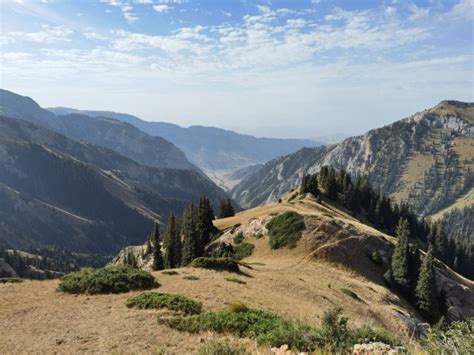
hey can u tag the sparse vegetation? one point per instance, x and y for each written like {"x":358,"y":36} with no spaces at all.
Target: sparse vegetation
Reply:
{"x":111,"y":279}
{"x":272,"y":330}
{"x":190,"y":277}
{"x":170,"y":272}
{"x":285,"y":229}
{"x":173,"y":302}
{"x":457,"y":338}
{"x":11,"y":280}
{"x":218,"y":264}
{"x":235,"y":279}
{"x":350,"y":293}
{"x":238,"y":238}
{"x":221,"y":348}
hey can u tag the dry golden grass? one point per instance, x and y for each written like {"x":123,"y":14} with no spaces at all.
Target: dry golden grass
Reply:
{"x":299,"y":284}
{"x":414,"y":171}
{"x":462,"y":202}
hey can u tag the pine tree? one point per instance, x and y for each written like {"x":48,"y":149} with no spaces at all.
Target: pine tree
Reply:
{"x":401,"y":255}
{"x":155,"y":241}
{"x":190,"y":235}
{"x":226,"y":209}
{"x":425,"y":291}
{"x":441,"y":243}
{"x":205,"y":227}
{"x":172,"y":244}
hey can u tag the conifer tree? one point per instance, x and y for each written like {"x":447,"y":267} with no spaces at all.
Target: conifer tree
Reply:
{"x":401,"y":255}
{"x":425,"y":291}
{"x":158,"y":262}
{"x":172,"y":243}
{"x":190,"y":235}
{"x":226,"y":209}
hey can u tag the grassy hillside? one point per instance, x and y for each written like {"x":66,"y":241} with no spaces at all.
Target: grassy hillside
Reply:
{"x":329,"y":267}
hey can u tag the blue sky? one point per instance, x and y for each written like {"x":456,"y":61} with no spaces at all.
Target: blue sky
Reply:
{"x":269,"y":68}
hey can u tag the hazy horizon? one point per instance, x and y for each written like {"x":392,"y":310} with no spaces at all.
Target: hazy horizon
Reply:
{"x":266,"y":68}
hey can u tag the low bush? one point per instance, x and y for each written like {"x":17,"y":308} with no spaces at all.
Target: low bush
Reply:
{"x":218,"y":348}
{"x":243,"y":250}
{"x":190,"y":277}
{"x":272,"y":330}
{"x":350,"y":293}
{"x":235,"y":279}
{"x":10,"y":280}
{"x":155,"y":300}
{"x":218,"y":264}
{"x":285,"y":229}
{"x":457,"y":338}
{"x":238,"y":238}
{"x":110,"y":279}
{"x":375,"y":257}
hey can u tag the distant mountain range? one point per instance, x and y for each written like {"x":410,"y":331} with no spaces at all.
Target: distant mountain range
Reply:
{"x":208,"y":147}
{"x":57,"y":189}
{"x":426,"y":159}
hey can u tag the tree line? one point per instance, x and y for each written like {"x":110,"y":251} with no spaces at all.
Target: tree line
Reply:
{"x":361,"y":199}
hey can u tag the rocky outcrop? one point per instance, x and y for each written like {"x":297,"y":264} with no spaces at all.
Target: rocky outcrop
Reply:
{"x":6,"y":270}
{"x":427,"y":159}
{"x":136,"y":256}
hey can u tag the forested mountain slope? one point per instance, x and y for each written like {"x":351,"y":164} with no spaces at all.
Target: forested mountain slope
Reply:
{"x":426,"y":159}
{"x":57,"y":191}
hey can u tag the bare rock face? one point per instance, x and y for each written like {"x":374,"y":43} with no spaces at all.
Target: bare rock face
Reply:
{"x":136,"y":256}
{"x":6,"y":270}
{"x":375,"y":349}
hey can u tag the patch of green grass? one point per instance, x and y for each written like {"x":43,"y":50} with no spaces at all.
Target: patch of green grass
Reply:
{"x":170,"y":272}
{"x":10,"y":280}
{"x":236,"y":280}
{"x":243,"y":250}
{"x":285,"y":229}
{"x":350,"y":293}
{"x":456,"y":338}
{"x":110,"y":279}
{"x":155,"y":300}
{"x":218,"y":264}
{"x":272,"y":330}
{"x":218,"y":348}
{"x":238,"y":238}
{"x":190,"y":277}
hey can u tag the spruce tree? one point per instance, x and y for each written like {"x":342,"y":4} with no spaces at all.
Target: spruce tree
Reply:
{"x":401,"y":255}
{"x":425,"y":291}
{"x":172,"y":243}
{"x":158,"y":262}
{"x":190,"y":235}
{"x":226,"y":209}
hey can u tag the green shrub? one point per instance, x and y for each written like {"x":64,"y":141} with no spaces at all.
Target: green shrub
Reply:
{"x":350,"y":293}
{"x":243,"y":250}
{"x":11,"y":280}
{"x":155,"y":300}
{"x":375,"y":257}
{"x":110,"y":279}
{"x":218,"y":264}
{"x":285,"y":229}
{"x":235,"y":279}
{"x":190,"y":277}
{"x":272,"y":330}
{"x":238,"y":238}
{"x":457,"y":338}
{"x":170,"y":272}
{"x":217,"y":348}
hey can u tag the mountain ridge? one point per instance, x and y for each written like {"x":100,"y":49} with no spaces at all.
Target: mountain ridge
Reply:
{"x":209,"y":147}
{"x":426,"y":159}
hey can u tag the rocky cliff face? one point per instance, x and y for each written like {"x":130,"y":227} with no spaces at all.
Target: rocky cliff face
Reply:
{"x":427,"y":159}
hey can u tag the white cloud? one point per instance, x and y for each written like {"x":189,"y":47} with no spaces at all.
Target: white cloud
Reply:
{"x":418,"y":13}
{"x":464,"y":9}
{"x":48,"y":35}
{"x":95,"y":36}
{"x":161,"y":8}
{"x":125,"y":7}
